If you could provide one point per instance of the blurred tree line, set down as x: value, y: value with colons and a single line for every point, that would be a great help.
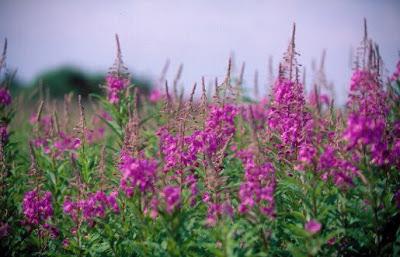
x: 66, y: 79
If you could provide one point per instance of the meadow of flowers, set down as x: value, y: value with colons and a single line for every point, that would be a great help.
x: 209, y: 174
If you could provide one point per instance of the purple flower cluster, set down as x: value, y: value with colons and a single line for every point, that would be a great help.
x: 366, y: 124
x: 216, y: 210
x: 191, y: 183
x: 172, y: 197
x: 45, y: 123
x: 95, y: 135
x: 341, y: 171
x: 169, y: 148
x: 312, y: 226
x: 322, y: 99
x: 95, y: 206
x: 137, y: 174
x: 306, y: 154
x: 58, y: 146
x: 115, y: 85
x: 98, y: 131
x: 141, y: 174
x: 152, y: 208
x: 5, y: 97
x: 219, y: 127
x: 155, y: 95
x: 179, y: 152
x: 367, y: 95
x: 37, y: 208
x: 65, y: 143
x: 287, y: 115
x: 395, y: 152
x: 256, y: 113
x: 365, y: 131
x: 258, y: 186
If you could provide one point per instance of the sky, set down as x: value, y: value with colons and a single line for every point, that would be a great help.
x: 44, y: 34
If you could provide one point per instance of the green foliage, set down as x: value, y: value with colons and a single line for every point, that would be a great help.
x: 357, y: 220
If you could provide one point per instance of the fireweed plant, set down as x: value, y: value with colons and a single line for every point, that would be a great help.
x: 290, y: 174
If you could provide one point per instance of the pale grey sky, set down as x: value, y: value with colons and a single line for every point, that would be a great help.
x: 201, y: 34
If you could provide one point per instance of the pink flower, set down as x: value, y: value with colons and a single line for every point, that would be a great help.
x: 287, y: 115
x: 115, y: 85
x: 366, y: 125
x: 95, y: 135
x: 65, y: 242
x: 172, y: 196
x: 178, y: 151
x: 258, y: 187
x: 112, y: 201
x: 339, y: 169
x: 137, y: 173
x: 105, y: 115
x: 152, y: 209
x: 155, y: 95
x: 5, y: 97
x: 45, y: 123
x: 66, y: 143
x: 313, y: 226
x: 216, y: 210
x: 94, y: 206
x: 219, y: 127
x: 256, y: 113
x: 306, y: 153
x: 315, y: 98
x: 37, y: 208
x: 115, y: 82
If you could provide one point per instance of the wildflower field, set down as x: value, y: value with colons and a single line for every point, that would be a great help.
x: 209, y: 173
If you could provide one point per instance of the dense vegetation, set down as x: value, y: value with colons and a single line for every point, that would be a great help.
x: 160, y: 174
